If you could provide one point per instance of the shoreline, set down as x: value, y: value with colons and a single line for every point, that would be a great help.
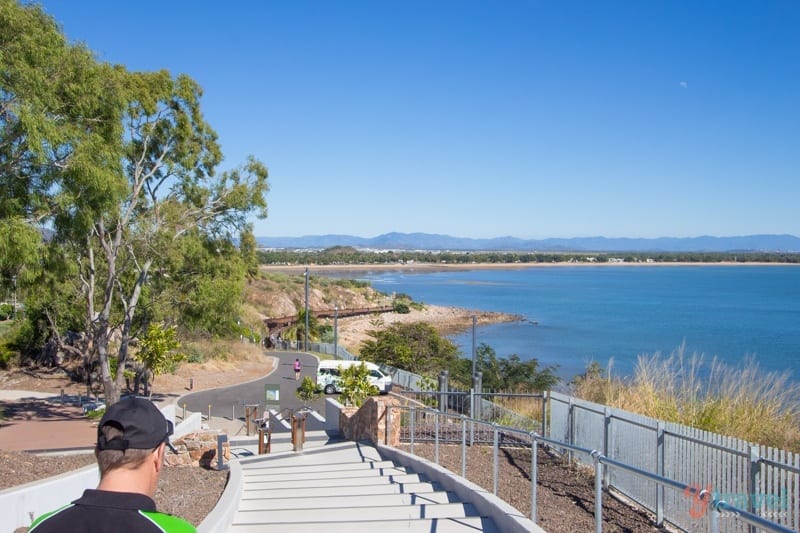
x: 447, y: 320
x: 461, y: 267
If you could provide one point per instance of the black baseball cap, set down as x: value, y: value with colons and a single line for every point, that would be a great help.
x: 142, y: 424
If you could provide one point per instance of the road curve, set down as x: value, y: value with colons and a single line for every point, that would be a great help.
x: 227, y: 402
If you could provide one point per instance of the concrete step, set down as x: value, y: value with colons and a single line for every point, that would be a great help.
x: 320, y: 475
x: 346, y: 514
x: 362, y: 481
x: 345, y: 490
x: 292, y: 470
x: 334, y: 501
x: 346, y: 487
x: 439, y: 525
x: 343, y: 452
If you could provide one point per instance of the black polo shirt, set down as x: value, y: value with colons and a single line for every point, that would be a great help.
x: 101, y: 511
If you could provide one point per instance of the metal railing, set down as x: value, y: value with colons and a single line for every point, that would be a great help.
x: 432, y: 426
x: 762, y: 480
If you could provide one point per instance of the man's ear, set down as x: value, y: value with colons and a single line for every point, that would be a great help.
x: 158, y: 456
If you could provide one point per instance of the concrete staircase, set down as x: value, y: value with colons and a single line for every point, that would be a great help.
x: 348, y: 487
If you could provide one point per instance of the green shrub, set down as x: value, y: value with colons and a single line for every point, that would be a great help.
x: 308, y: 391
x: 354, y: 385
x: 401, y: 307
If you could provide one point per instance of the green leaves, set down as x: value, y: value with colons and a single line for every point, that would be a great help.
x: 308, y: 391
x: 354, y: 386
x: 122, y: 167
x: 416, y: 347
x: 504, y: 374
x: 157, y: 349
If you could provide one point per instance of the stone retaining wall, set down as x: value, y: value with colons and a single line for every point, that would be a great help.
x: 197, y: 449
x: 369, y: 422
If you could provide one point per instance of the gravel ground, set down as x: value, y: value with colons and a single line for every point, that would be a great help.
x: 565, y: 494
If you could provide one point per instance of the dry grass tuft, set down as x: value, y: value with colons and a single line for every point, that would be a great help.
x: 742, y: 401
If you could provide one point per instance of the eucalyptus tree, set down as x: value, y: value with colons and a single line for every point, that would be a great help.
x: 58, y: 127
x: 169, y: 156
x: 119, y: 167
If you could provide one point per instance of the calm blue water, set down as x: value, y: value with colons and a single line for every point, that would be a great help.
x: 598, y: 313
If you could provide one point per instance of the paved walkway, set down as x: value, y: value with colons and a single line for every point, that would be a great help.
x: 31, y: 424
x: 58, y: 424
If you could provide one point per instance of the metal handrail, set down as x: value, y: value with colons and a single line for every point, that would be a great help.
x: 716, y: 507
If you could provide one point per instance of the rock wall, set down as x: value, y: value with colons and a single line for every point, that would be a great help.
x: 369, y: 422
x: 197, y: 449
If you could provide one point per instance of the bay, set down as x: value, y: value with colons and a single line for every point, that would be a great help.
x: 575, y: 315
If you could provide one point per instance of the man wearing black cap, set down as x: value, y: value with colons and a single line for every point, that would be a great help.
x: 131, y: 441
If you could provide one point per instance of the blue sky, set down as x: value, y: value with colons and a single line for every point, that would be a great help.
x: 485, y: 119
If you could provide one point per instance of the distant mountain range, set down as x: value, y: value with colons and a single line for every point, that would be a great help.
x: 428, y: 241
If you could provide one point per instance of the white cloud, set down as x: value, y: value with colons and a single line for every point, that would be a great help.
x: 684, y: 85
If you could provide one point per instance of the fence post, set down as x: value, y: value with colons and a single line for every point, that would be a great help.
x: 606, y: 440
x: 443, y: 375
x: 463, y: 447
x: 477, y: 385
x: 495, y: 465
x: 545, y: 398
x: 411, y: 429
x: 472, y: 414
x: 660, y: 471
x: 534, y: 473
x: 570, y: 427
x: 753, y: 479
x: 436, y: 439
x: 713, y: 520
x: 598, y: 492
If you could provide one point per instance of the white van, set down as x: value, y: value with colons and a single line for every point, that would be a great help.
x: 328, y: 375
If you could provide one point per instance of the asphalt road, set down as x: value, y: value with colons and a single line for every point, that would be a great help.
x: 229, y: 402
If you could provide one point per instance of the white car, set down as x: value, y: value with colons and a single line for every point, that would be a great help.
x: 329, y: 371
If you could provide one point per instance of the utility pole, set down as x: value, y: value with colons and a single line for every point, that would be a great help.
x: 305, y: 335
x: 474, y: 352
x: 336, y: 332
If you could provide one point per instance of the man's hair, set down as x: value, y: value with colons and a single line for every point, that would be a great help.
x: 108, y: 460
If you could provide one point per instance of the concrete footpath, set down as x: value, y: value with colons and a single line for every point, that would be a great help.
x: 48, y: 422
x: 41, y: 421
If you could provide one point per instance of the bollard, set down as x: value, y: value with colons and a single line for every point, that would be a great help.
x: 221, y: 439
x: 184, y: 411
x: 209, y: 414
x: 247, y: 419
x: 233, y: 412
x: 191, y: 383
x: 260, y: 441
x: 298, y: 432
